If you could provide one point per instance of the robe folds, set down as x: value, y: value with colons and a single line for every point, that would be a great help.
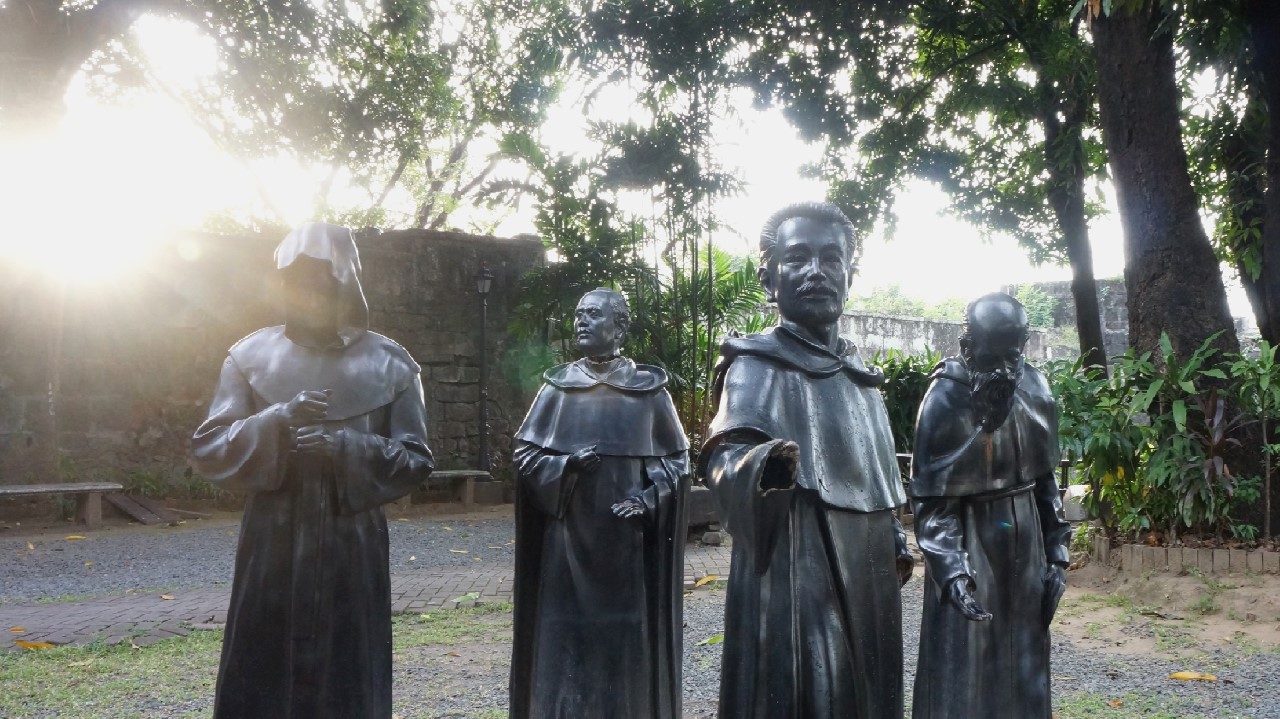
x: 986, y: 507
x: 813, y: 615
x: 309, y: 624
x: 598, y: 598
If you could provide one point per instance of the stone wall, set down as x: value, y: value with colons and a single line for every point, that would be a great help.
x: 1113, y: 310
x: 136, y: 361
x: 876, y: 334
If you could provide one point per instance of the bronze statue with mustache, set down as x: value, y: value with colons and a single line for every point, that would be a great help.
x: 801, y: 462
x: 988, y: 520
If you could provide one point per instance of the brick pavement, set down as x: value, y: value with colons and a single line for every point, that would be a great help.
x: 146, y: 618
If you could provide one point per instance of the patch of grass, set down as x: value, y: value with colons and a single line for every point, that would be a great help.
x: 1079, y: 705
x: 1169, y: 639
x: 450, y: 626
x: 176, y: 677
x: 97, y: 681
x: 1093, y: 630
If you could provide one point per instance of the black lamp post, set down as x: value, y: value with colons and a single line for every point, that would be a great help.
x: 484, y: 280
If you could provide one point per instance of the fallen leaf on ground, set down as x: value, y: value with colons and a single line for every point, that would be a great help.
x: 166, y: 597
x: 715, y: 639
x: 402, y: 519
x: 88, y: 564
x: 452, y: 654
x: 448, y: 529
x: 1115, y: 703
x: 458, y: 551
x: 30, y: 545
x: 18, y: 630
x: 706, y: 580
x: 1193, y: 677
x: 33, y: 645
x: 74, y: 537
x: 468, y: 597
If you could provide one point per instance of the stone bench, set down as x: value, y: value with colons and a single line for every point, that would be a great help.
x: 460, y: 482
x: 88, y: 496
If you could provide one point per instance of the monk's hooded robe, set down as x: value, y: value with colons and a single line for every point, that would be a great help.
x: 813, y: 616
x: 598, y: 598
x: 308, y: 631
x: 986, y: 506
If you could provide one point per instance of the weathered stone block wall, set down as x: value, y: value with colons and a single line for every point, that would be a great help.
x: 1113, y: 310
x: 876, y: 333
x: 136, y: 361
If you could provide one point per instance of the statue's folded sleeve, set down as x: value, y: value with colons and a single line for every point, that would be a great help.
x: 237, y: 446
x: 371, y: 469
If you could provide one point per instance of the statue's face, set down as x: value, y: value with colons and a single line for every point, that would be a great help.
x: 311, y: 295
x: 993, y: 353
x: 594, y: 327
x: 809, y: 272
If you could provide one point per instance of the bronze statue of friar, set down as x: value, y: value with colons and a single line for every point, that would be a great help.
x: 989, y: 522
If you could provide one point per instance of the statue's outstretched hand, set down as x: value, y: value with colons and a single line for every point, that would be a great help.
x: 628, y: 508
x: 584, y: 460
x: 309, y: 407
x: 781, y: 466
x: 960, y: 594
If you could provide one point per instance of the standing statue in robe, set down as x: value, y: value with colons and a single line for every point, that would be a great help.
x: 802, y: 465
x: 322, y: 422
x: 601, y: 516
x: 989, y: 522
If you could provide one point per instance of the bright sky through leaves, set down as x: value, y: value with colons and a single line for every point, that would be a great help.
x: 120, y: 174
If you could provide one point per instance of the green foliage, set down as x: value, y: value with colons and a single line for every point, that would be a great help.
x: 1153, y: 440
x: 906, y: 379
x: 890, y: 301
x: 1039, y: 304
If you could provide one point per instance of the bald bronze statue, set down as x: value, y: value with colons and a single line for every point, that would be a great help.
x: 801, y: 463
x: 988, y: 520
x: 602, y: 476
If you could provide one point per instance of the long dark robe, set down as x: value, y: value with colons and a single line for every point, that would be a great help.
x: 986, y: 507
x: 813, y: 615
x: 598, y: 598
x: 309, y: 625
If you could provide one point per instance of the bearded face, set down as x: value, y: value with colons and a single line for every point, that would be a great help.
x: 995, y: 368
x: 992, y: 396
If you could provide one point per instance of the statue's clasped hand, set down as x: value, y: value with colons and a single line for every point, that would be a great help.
x: 304, y: 414
x: 629, y: 507
x: 960, y: 594
x: 308, y: 408
x: 584, y: 460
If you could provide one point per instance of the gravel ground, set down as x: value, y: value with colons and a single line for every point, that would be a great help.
x: 201, y: 553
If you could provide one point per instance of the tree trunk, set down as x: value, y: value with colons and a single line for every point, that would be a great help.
x: 1263, y: 17
x: 1066, y: 197
x: 1172, y: 277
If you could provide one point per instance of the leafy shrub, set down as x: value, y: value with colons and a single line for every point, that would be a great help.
x: 1153, y: 440
x: 906, y: 379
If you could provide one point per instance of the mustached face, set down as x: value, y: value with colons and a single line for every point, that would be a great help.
x: 808, y: 275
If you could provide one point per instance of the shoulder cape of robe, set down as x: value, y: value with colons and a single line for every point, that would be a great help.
x: 364, y: 375
x: 309, y: 624
x: 780, y: 386
x: 953, y: 457
x: 598, y: 599
x: 986, y: 507
x: 620, y: 407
